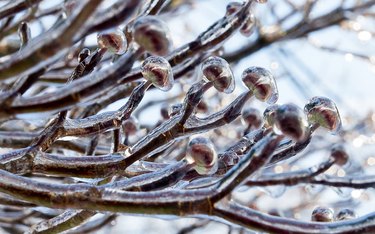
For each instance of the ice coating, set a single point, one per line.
(232, 8)
(345, 214)
(113, 40)
(290, 120)
(262, 83)
(269, 115)
(251, 117)
(248, 28)
(153, 35)
(85, 52)
(323, 111)
(202, 153)
(322, 214)
(159, 72)
(217, 70)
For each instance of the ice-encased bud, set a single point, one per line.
(202, 153)
(345, 214)
(340, 155)
(323, 111)
(83, 54)
(158, 71)
(24, 33)
(251, 117)
(113, 40)
(322, 214)
(261, 1)
(262, 83)
(269, 115)
(130, 126)
(232, 8)
(152, 34)
(290, 121)
(217, 70)
(248, 28)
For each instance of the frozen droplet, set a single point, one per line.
(152, 34)
(251, 117)
(202, 153)
(275, 191)
(322, 214)
(232, 8)
(113, 40)
(262, 83)
(269, 115)
(159, 72)
(85, 52)
(323, 111)
(290, 120)
(130, 126)
(339, 154)
(248, 27)
(345, 214)
(217, 70)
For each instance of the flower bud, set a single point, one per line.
(217, 70)
(202, 153)
(323, 111)
(248, 28)
(130, 126)
(232, 8)
(85, 52)
(113, 40)
(345, 214)
(159, 72)
(251, 117)
(322, 214)
(269, 115)
(339, 154)
(290, 120)
(152, 34)
(262, 83)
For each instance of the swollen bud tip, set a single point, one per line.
(345, 214)
(322, 214)
(339, 154)
(130, 126)
(251, 117)
(153, 35)
(290, 121)
(85, 52)
(262, 83)
(158, 71)
(323, 111)
(202, 153)
(113, 40)
(217, 70)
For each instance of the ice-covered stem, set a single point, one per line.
(43, 48)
